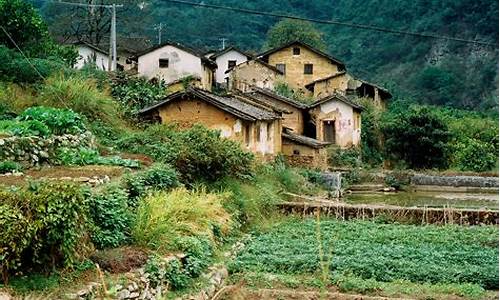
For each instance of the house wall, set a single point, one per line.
(181, 64)
(347, 122)
(294, 120)
(86, 54)
(191, 111)
(222, 61)
(294, 74)
(252, 73)
(337, 84)
(307, 156)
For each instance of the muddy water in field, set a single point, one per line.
(429, 199)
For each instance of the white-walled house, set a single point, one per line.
(171, 61)
(227, 59)
(88, 53)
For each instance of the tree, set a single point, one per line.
(417, 137)
(23, 23)
(288, 30)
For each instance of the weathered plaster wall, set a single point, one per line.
(86, 54)
(294, 120)
(189, 112)
(347, 122)
(222, 63)
(294, 75)
(180, 64)
(304, 156)
(337, 84)
(252, 73)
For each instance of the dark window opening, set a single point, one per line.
(246, 134)
(296, 152)
(163, 62)
(231, 64)
(308, 68)
(296, 51)
(281, 67)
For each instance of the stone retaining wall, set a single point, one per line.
(455, 181)
(34, 150)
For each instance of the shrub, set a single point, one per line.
(89, 156)
(59, 121)
(111, 217)
(163, 217)
(475, 155)
(418, 137)
(158, 177)
(135, 93)
(198, 252)
(345, 158)
(161, 271)
(197, 153)
(25, 128)
(42, 226)
(371, 134)
(9, 166)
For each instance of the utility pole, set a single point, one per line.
(223, 40)
(112, 40)
(159, 27)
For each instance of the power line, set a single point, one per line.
(87, 5)
(333, 22)
(28, 60)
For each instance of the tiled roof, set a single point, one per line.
(221, 52)
(321, 53)
(266, 92)
(231, 105)
(273, 68)
(182, 47)
(304, 140)
(325, 78)
(336, 97)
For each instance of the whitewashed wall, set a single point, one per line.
(222, 61)
(86, 54)
(181, 64)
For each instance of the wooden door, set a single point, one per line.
(329, 131)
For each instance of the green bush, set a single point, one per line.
(43, 226)
(344, 158)
(111, 217)
(475, 155)
(24, 128)
(418, 137)
(59, 121)
(135, 93)
(89, 156)
(158, 177)
(371, 134)
(176, 275)
(9, 166)
(199, 252)
(198, 153)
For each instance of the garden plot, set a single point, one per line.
(372, 258)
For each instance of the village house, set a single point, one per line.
(88, 53)
(172, 61)
(345, 84)
(301, 63)
(257, 128)
(335, 119)
(227, 59)
(253, 73)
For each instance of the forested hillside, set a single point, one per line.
(426, 70)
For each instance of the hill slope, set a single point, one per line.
(427, 70)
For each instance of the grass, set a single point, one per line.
(164, 217)
(386, 254)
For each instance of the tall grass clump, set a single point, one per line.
(162, 218)
(82, 96)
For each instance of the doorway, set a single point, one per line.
(329, 131)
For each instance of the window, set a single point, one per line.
(281, 67)
(296, 152)
(231, 64)
(296, 51)
(163, 63)
(308, 68)
(257, 133)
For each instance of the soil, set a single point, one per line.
(120, 260)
